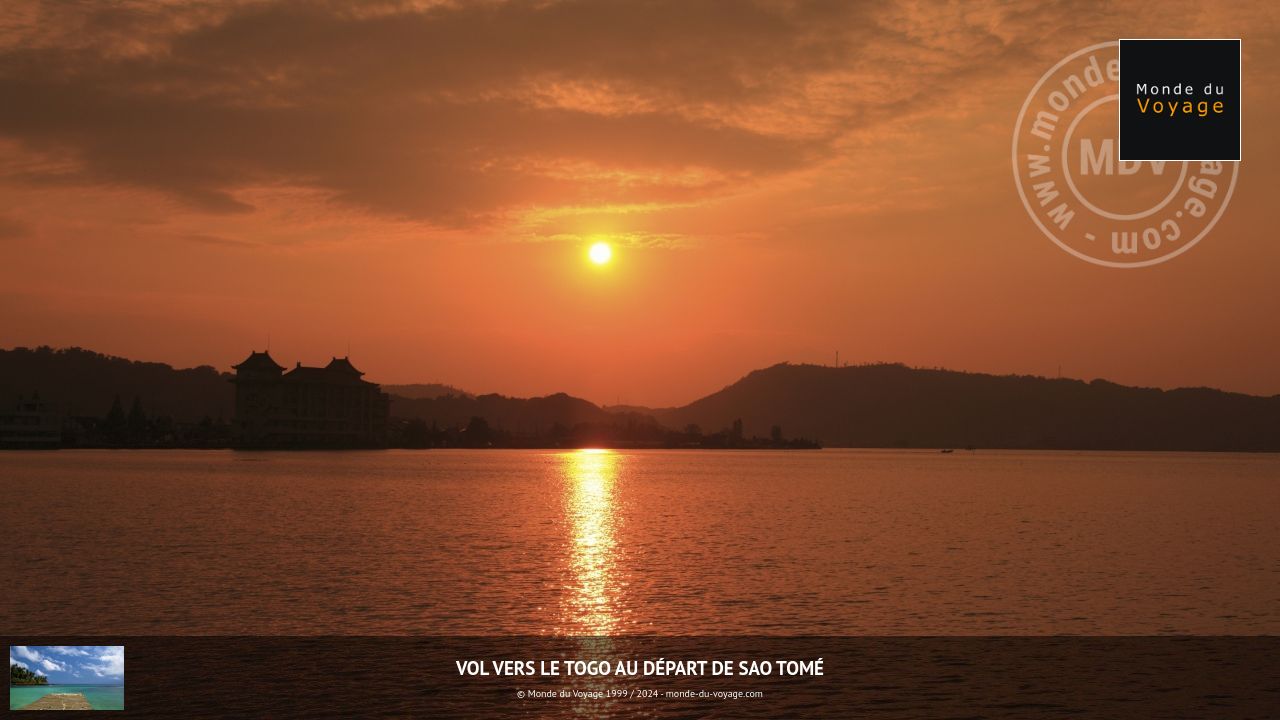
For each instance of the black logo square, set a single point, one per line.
(1179, 99)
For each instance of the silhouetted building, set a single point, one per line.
(30, 423)
(330, 406)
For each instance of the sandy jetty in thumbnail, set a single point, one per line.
(60, 701)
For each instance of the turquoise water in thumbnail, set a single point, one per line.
(101, 697)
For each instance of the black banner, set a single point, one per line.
(660, 677)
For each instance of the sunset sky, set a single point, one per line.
(420, 182)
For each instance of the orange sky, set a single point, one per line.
(780, 181)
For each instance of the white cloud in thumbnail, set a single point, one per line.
(67, 650)
(110, 662)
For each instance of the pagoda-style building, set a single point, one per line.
(330, 406)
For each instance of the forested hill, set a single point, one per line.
(84, 383)
(862, 406)
(893, 405)
(525, 416)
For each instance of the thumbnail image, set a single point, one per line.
(66, 677)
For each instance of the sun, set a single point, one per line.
(600, 253)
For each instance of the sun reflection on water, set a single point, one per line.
(591, 604)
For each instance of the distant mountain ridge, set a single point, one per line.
(424, 391)
(885, 405)
(892, 405)
(526, 416)
(84, 383)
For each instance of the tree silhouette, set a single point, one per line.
(478, 432)
(137, 421)
(19, 675)
(113, 427)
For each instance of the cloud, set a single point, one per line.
(467, 115)
(206, 239)
(11, 228)
(447, 114)
(27, 653)
(67, 650)
(457, 113)
(110, 662)
(106, 660)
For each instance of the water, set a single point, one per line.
(101, 697)
(547, 543)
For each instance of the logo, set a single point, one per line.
(1104, 210)
(1180, 100)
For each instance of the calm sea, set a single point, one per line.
(717, 543)
(100, 697)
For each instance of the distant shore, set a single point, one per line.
(75, 397)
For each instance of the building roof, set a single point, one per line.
(259, 361)
(343, 365)
(323, 376)
(339, 371)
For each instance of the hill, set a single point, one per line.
(892, 405)
(83, 382)
(522, 416)
(424, 391)
(884, 405)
